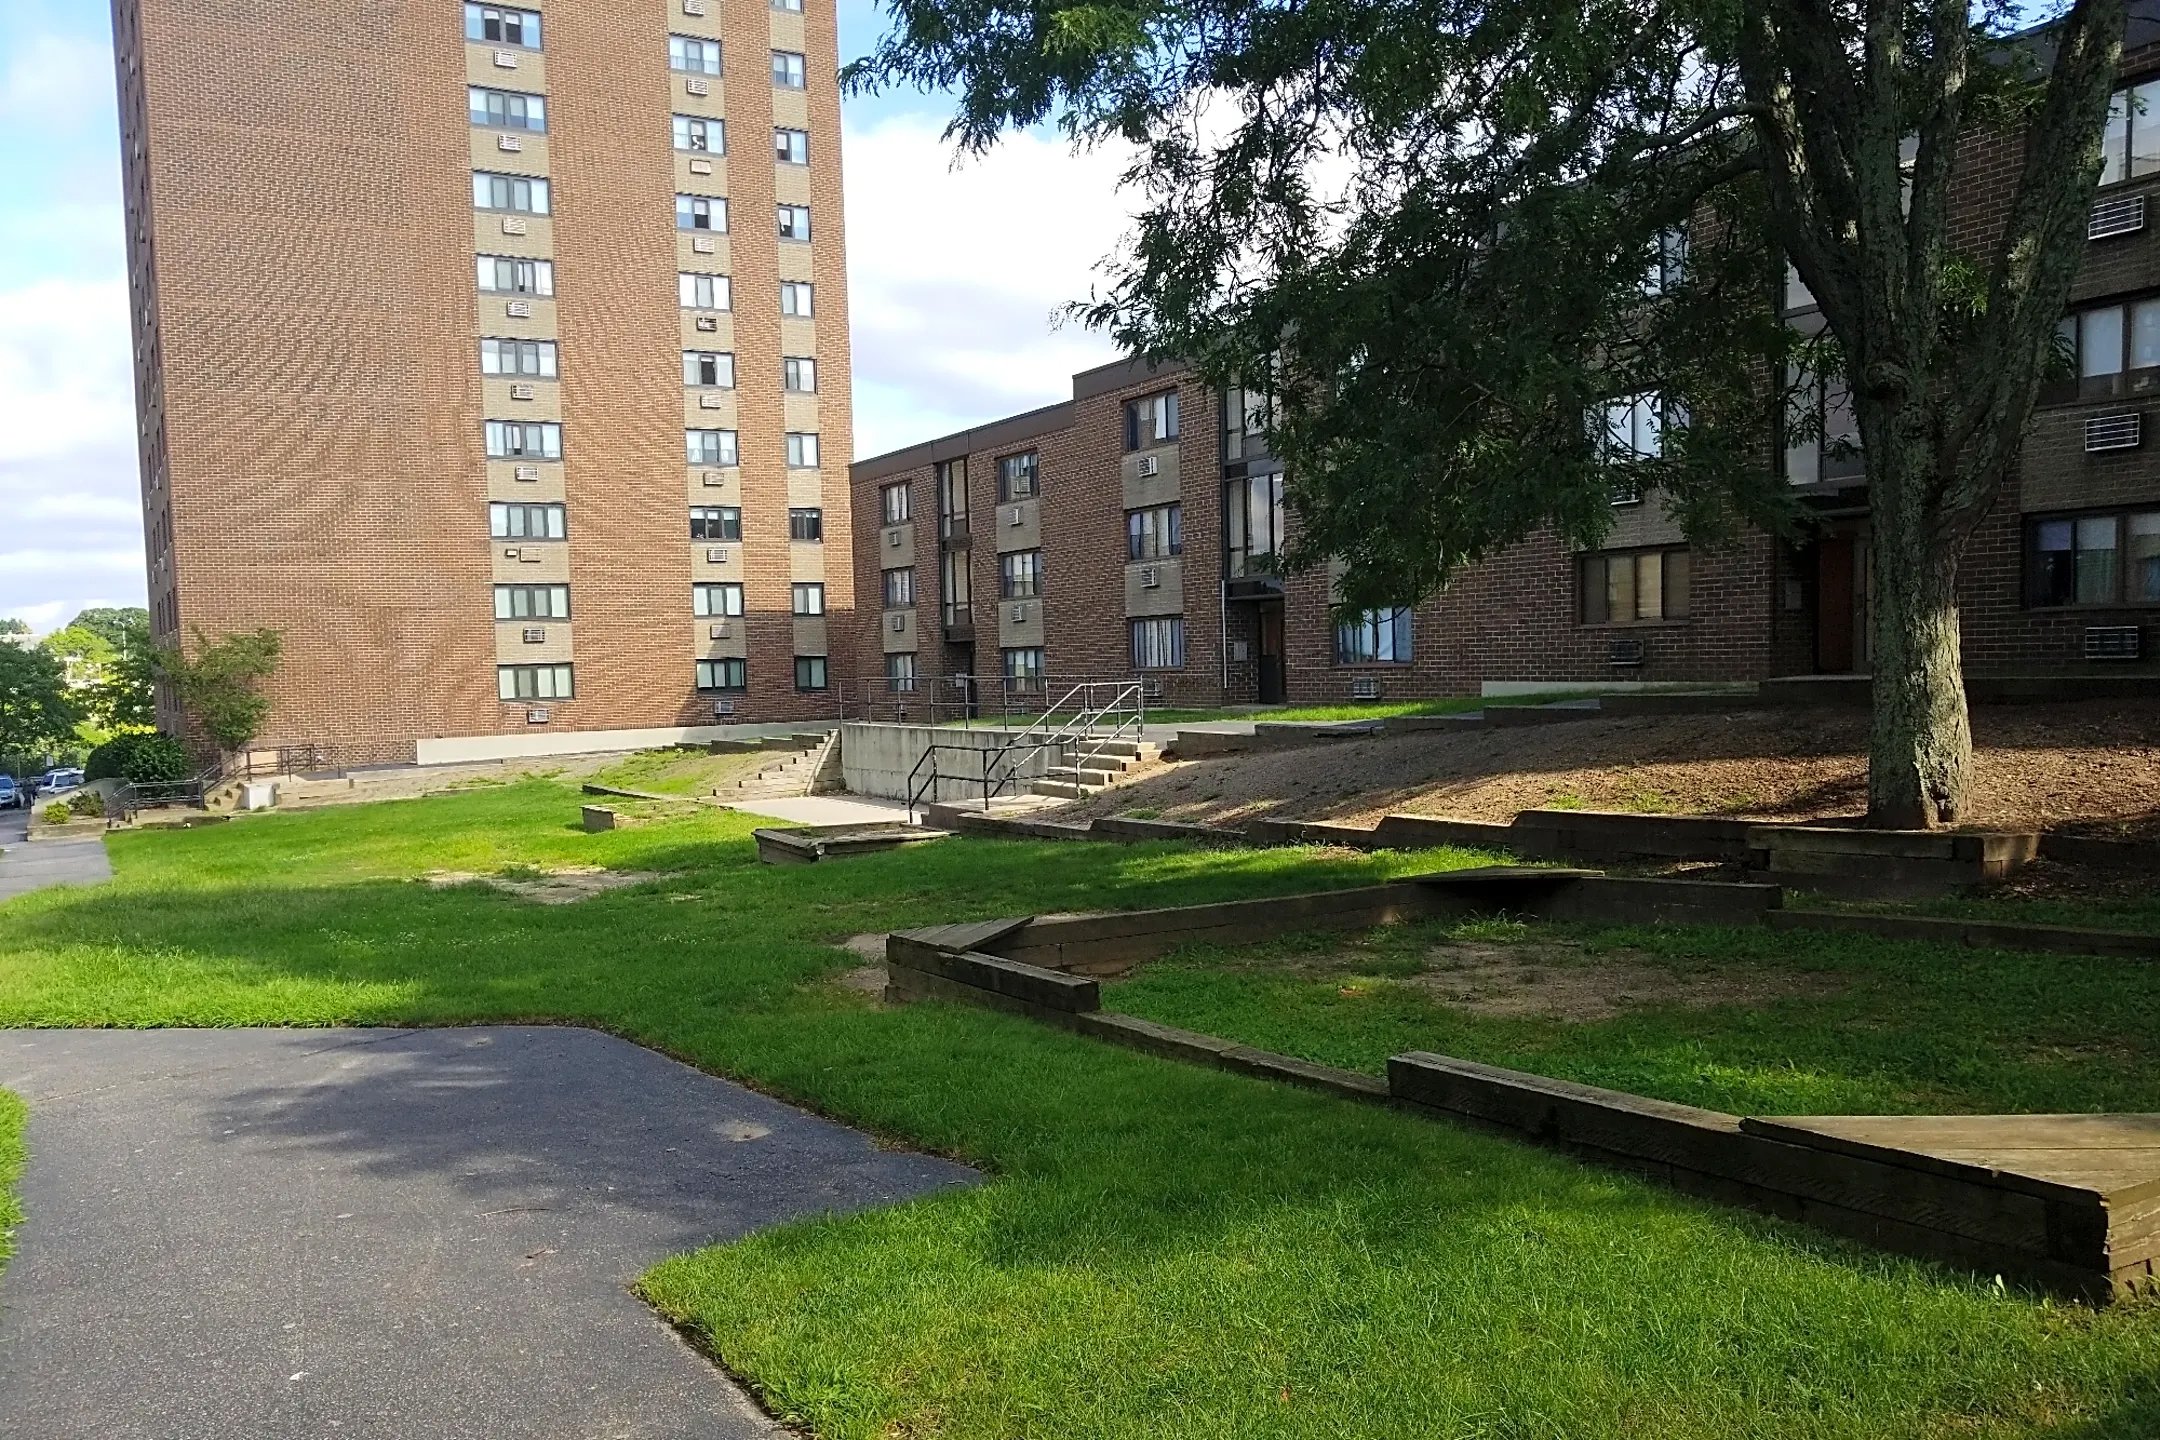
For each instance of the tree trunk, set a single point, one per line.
(1920, 743)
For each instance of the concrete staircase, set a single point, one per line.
(1093, 765)
(791, 772)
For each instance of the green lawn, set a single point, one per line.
(1162, 1251)
(682, 772)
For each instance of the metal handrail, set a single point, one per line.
(1000, 765)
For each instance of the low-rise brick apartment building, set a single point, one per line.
(497, 355)
(1130, 531)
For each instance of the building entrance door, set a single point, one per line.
(1269, 654)
(1841, 601)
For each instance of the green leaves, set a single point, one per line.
(220, 685)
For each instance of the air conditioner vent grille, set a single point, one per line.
(2114, 432)
(2124, 215)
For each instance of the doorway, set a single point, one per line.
(1268, 653)
(1841, 603)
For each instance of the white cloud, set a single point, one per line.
(57, 80)
(957, 275)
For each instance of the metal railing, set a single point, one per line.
(970, 701)
(1076, 727)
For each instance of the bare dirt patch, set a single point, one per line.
(1561, 982)
(564, 885)
(2092, 767)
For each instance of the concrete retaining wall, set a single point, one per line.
(876, 759)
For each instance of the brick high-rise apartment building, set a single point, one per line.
(1131, 531)
(496, 355)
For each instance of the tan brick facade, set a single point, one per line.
(302, 238)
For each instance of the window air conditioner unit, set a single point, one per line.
(892, 537)
(509, 142)
(701, 246)
(1626, 492)
(510, 552)
(1151, 689)
(2113, 432)
(519, 309)
(708, 322)
(2114, 642)
(537, 716)
(1149, 465)
(701, 167)
(2124, 216)
(531, 556)
(693, 7)
(723, 707)
(899, 624)
(513, 225)
(1365, 687)
(505, 60)
(719, 630)
(1150, 577)
(1016, 517)
(696, 86)
(525, 472)
(1019, 613)
(708, 402)
(522, 391)
(1628, 652)
(717, 554)
(536, 635)
(714, 477)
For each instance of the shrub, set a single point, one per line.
(156, 760)
(87, 806)
(109, 760)
(58, 813)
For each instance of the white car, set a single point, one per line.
(59, 782)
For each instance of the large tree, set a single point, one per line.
(36, 713)
(220, 684)
(1443, 228)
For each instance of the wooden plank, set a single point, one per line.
(974, 934)
(1889, 844)
(2115, 1158)
(1288, 1068)
(1048, 989)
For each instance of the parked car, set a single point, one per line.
(11, 794)
(59, 781)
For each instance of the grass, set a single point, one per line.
(1871, 1027)
(13, 1116)
(1160, 1250)
(681, 772)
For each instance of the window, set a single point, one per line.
(533, 682)
(1629, 587)
(799, 374)
(707, 369)
(792, 6)
(1253, 519)
(2110, 341)
(795, 298)
(802, 450)
(525, 522)
(1158, 643)
(505, 109)
(701, 212)
(508, 275)
(1157, 533)
(810, 672)
(535, 358)
(524, 440)
(1822, 436)
(695, 132)
(806, 524)
(723, 675)
(1023, 669)
(899, 588)
(518, 194)
(1376, 637)
(704, 292)
(1668, 257)
(787, 69)
(710, 447)
(900, 673)
(896, 503)
(791, 147)
(794, 222)
(2093, 559)
(953, 579)
(2132, 144)
(500, 25)
(1151, 420)
(1247, 409)
(716, 599)
(1634, 427)
(952, 498)
(715, 522)
(1020, 575)
(809, 598)
(689, 53)
(532, 602)
(1019, 476)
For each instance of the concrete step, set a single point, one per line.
(1062, 789)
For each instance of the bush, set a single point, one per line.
(139, 756)
(109, 760)
(89, 805)
(58, 813)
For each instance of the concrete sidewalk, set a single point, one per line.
(826, 809)
(25, 867)
(395, 1234)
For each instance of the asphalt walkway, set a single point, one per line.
(391, 1234)
(25, 867)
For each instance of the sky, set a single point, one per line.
(957, 275)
